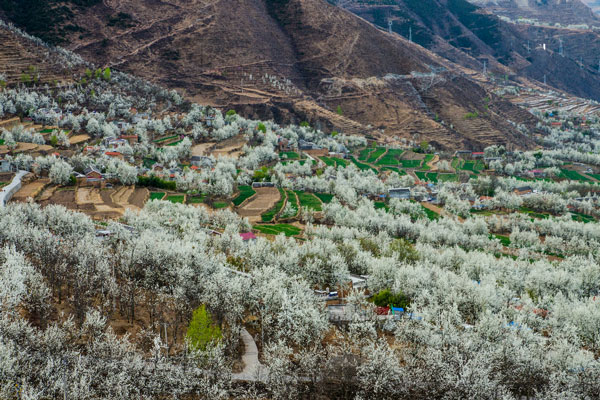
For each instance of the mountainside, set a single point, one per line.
(593, 4)
(468, 35)
(564, 12)
(295, 60)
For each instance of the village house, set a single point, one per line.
(113, 143)
(477, 154)
(122, 125)
(5, 166)
(283, 144)
(305, 145)
(115, 154)
(399, 193)
(248, 237)
(523, 190)
(131, 139)
(462, 153)
(94, 177)
(202, 162)
(538, 173)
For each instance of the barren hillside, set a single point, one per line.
(291, 61)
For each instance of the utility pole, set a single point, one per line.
(560, 49)
(410, 34)
(544, 79)
(484, 67)
(64, 362)
(166, 340)
(390, 26)
(528, 47)
(598, 66)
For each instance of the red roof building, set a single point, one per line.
(246, 236)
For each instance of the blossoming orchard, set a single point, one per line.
(151, 247)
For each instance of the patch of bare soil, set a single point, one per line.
(202, 149)
(230, 147)
(139, 197)
(31, 189)
(264, 199)
(411, 155)
(77, 139)
(63, 197)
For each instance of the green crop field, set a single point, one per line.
(398, 170)
(363, 155)
(194, 199)
(573, 175)
(166, 138)
(392, 157)
(473, 166)
(328, 161)
(286, 229)
(245, 193)
(289, 155)
(447, 177)
(411, 163)
(308, 200)
(362, 166)
(220, 204)
(325, 197)
(376, 154)
(176, 198)
(504, 240)
(157, 195)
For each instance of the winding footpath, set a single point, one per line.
(253, 369)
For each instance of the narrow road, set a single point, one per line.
(253, 369)
(7, 191)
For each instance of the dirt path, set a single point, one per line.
(253, 369)
(440, 211)
(264, 199)
(435, 160)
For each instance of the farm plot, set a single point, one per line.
(363, 155)
(325, 197)
(308, 200)
(362, 166)
(245, 193)
(392, 157)
(289, 155)
(376, 154)
(334, 161)
(157, 195)
(202, 149)
(286, 229)
(77, 139)
(573, 175)
(31, 189)
(263, 201)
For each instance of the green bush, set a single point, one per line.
(202, 330)
(386, 298)
(154, 181)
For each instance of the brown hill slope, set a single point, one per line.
(22, 61)
(296, 60)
